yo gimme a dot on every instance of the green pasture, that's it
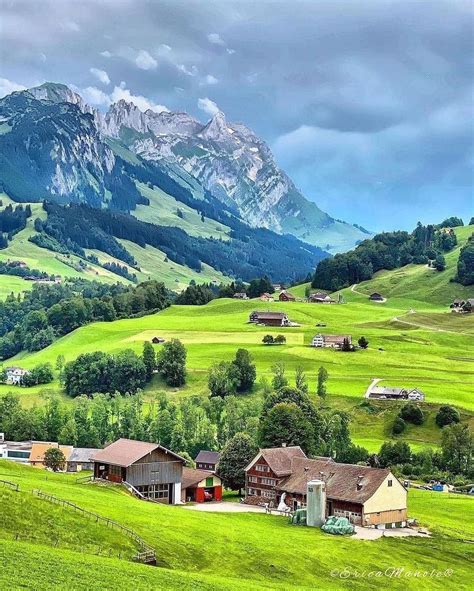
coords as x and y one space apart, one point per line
226 550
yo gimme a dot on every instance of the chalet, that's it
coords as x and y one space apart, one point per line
371 497
277 286
240 296
150 468
286 296
267 470
366 496
207 460
157 340
396 393
270 318
16 451
15 375
333 341
199 486
376 297
463 306
266 297
81 459
39 448
320 298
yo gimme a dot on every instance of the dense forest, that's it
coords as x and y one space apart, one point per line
465 274
248 254
388 250
49 311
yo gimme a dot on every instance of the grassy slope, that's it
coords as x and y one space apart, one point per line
232 551
215 332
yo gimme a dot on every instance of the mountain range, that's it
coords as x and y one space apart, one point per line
55 146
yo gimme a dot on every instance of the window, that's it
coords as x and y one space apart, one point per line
18 454
268 481
389 483
253 479
261 468
252 492
210 481
115 470
269 494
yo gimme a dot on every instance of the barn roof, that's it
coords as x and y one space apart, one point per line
270 315
208 457
125 452
82 454
192 477
344 482
279 458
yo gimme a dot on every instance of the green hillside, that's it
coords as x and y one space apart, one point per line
206 550
432 358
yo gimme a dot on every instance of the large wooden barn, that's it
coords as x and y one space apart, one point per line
153 470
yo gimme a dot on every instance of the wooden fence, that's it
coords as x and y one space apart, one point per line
8 484
146 554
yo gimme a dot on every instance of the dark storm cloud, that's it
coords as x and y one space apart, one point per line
367 104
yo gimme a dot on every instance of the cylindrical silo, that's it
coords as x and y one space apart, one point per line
315 503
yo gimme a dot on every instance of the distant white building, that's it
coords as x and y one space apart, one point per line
330 340
396 393
16 451
15 374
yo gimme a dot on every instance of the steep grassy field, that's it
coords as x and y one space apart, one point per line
231 550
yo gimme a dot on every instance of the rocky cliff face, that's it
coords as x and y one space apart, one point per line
58 145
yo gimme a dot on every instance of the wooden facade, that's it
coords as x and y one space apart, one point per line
260 481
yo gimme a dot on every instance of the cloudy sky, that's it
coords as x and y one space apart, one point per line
368 105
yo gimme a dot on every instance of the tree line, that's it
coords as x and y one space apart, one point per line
388 250
33 321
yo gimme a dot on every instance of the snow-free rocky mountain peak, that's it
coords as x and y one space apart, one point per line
226 159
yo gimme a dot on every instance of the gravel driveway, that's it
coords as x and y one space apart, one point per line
225 507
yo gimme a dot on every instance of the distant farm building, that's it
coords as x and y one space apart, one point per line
320 298
154 471
266 297
395 393
270 318
463 306
240 296
286 296
16 451
370 497
333 341
81 459
15 375
207 460
199 486
376 297
39 448
157 340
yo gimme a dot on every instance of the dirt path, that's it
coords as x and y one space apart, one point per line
225 507
427 326
374 382
354 290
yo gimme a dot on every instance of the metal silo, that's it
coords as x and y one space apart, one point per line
315 503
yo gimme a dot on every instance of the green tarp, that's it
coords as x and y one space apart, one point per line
338 526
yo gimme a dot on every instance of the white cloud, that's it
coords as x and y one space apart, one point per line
145 61
8 86
71 26
105 54
230 51
216 39
121 92
164 48
101 75
94 96
208 106
193 71
210 79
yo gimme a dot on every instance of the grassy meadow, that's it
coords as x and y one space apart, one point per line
199 550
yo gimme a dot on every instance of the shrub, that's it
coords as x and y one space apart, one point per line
412 414
399 426
447 415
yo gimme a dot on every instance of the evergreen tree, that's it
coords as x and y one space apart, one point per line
322 379
363 343
246 370
149 359
447 415
440 262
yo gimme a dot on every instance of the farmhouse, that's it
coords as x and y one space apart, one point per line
395 393
270 318
150 468
16 451
240 296
463 306
376 297
199 486
15 374
81 459
266 297
333 341
39 448
320 298
286 296
207 460
366 496
157 340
